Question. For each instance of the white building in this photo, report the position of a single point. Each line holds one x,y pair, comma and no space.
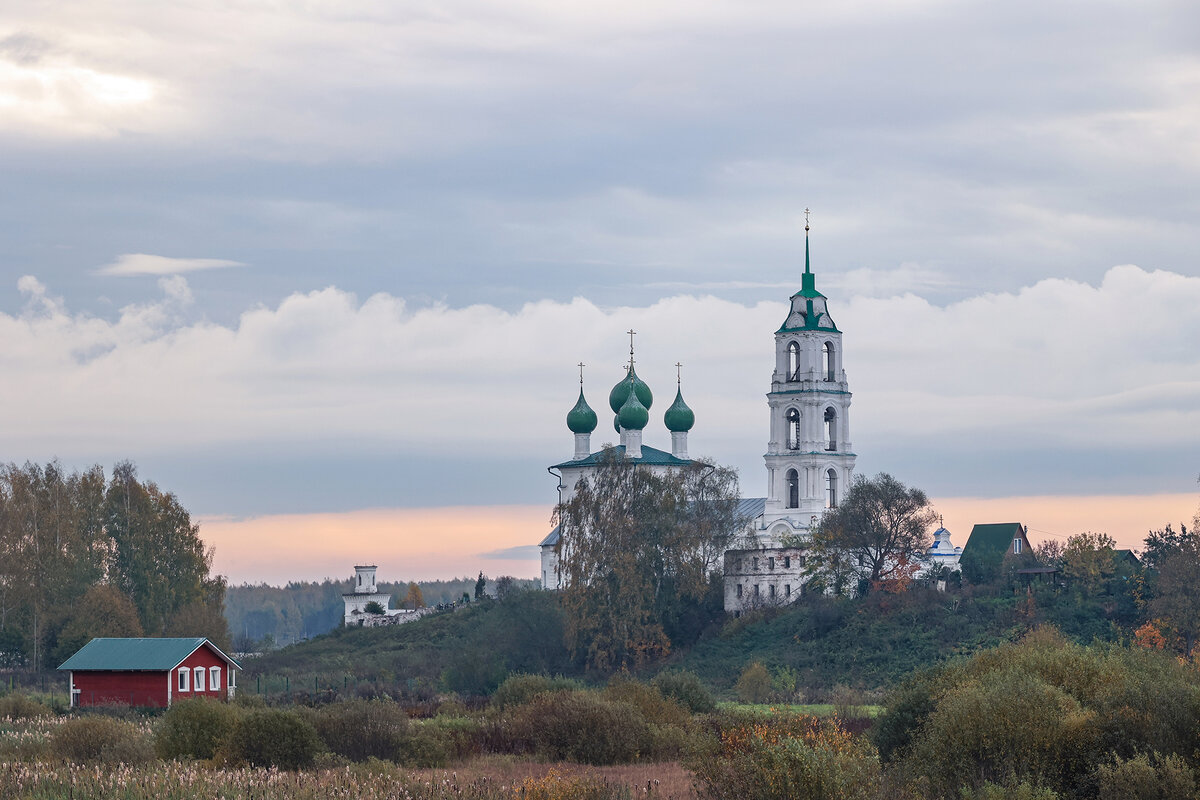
630,401
942,553
365,592
809,459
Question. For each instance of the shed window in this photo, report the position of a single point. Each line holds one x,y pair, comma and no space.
214,678
185,679
199,679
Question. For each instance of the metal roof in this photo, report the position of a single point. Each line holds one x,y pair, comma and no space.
148,655
748,508
650,455
995,538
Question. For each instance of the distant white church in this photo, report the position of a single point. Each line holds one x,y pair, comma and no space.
365,593
809,459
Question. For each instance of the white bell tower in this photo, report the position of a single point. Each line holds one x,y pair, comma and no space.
809,458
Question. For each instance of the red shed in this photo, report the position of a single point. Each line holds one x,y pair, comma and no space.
149,672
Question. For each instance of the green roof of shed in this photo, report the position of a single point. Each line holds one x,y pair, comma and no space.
994,538
145,655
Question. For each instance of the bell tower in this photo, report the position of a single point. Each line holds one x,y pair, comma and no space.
809,458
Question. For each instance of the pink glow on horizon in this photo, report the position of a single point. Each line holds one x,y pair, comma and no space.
440,543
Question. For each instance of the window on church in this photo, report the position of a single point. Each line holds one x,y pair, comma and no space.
756,562
770,562
756,587
794,361
831,481
793,489
787,562
787,590
830,362
739,590
772,590
830,429
793,429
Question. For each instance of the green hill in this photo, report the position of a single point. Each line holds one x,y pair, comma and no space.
816,644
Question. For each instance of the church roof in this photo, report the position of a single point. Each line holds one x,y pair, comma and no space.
650,455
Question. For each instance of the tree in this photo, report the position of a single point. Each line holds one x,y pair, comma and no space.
1177,592
102,612
1088,559
879,533
636,547
373,607
480,586
414,598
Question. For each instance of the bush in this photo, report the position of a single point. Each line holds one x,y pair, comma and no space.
195,727
520,689
273,738
754,684
361,729
103,739
790,758
654,708
686,689
555,786
582,727
19,706
1146,778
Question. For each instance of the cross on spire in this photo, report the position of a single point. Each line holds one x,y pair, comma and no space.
678,373
807,268
631,333
581,366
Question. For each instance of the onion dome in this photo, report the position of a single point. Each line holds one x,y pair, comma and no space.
581,418
620,392
633,415
617,423
679,417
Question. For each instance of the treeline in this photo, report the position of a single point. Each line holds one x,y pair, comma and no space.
82,555
262,617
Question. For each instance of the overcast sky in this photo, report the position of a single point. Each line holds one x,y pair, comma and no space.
300,258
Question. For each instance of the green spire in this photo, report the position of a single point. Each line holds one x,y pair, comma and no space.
581,418
808,282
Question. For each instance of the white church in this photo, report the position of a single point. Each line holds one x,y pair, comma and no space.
809,459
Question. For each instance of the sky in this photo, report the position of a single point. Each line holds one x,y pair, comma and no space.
324,270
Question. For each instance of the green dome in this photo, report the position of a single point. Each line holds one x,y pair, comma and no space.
616,398
581,418
679,417
617,423
633,416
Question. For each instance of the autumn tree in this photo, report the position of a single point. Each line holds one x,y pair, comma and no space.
414,599
1176,598
1089,561
636,545
879,533
103,611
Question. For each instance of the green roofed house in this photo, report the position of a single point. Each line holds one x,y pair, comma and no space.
988,546
149,672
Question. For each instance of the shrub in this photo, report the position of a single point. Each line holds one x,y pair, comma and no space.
555,786
1146,778
104,739
754,684
361,729
520,689
654,708
19,706
686,689
195,727
789,758
583,727
273,738
1021,791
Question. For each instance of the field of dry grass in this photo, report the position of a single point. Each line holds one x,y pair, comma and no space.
667,780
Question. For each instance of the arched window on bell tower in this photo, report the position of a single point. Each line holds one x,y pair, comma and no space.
793,429
831,481
793,489
793,361
830,429
830,362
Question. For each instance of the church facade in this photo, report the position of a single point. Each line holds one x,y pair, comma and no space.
809,460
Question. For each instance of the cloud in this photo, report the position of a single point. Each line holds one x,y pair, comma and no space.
1057,370
525,551
128,264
